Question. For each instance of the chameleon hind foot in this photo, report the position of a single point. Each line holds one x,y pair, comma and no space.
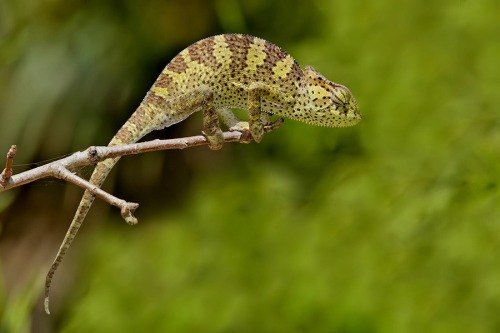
244,128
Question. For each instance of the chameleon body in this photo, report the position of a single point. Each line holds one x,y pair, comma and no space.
214,76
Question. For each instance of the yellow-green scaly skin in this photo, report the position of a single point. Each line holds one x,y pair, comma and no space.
214,76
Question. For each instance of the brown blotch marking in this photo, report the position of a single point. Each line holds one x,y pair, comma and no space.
164,81
273,55
239,46
296,73
152,100
203,52
177,65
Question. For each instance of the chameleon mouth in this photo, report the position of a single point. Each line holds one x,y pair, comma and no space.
338,118
326,119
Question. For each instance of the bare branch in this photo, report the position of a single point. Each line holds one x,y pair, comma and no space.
93,154
126,208
62,168
7,172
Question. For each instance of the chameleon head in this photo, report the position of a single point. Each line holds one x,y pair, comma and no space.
324,103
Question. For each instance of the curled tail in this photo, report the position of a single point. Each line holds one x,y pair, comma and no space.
142,121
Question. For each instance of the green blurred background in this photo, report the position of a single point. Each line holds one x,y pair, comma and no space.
390,226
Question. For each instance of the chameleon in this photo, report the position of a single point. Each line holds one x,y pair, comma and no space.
215,76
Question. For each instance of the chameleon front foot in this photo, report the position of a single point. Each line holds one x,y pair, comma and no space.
273,125
246,134
215,141
244,128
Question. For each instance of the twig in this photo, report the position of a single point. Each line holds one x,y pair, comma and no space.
94,154
62,168
7,172
126,208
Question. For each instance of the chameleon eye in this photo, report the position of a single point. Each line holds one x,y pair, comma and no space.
336,98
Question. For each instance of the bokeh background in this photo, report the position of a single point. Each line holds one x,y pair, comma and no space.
390,226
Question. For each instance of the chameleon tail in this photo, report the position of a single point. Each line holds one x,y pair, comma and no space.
137,126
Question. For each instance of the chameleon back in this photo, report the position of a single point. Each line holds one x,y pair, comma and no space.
225,63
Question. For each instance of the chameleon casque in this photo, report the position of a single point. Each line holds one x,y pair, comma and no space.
213,76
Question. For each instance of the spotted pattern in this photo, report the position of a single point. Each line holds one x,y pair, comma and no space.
218,73
227,64
178,64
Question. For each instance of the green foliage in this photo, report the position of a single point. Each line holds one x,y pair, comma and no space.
389,226
15,312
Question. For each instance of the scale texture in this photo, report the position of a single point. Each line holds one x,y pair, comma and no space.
214,76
